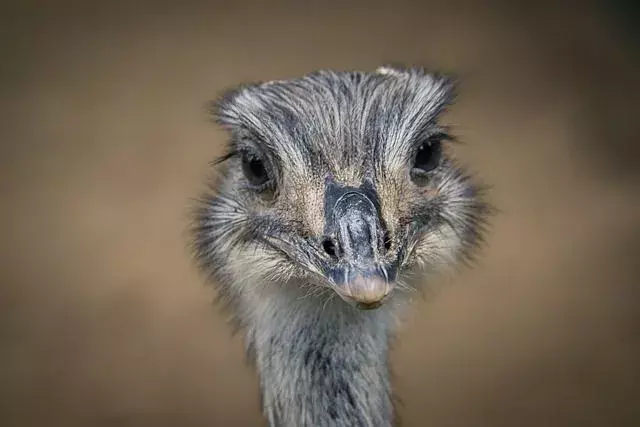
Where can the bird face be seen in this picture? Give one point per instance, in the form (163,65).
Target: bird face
(337,180)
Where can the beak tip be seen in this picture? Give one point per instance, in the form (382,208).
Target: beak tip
(366,292)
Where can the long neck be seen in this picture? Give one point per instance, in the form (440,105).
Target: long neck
(322,364)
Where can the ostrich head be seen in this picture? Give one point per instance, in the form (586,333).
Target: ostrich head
(334,184)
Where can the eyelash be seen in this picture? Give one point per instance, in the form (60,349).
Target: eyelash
(440,137)
(223,158)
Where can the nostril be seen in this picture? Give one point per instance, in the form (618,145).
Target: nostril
(387,240)
(330,247)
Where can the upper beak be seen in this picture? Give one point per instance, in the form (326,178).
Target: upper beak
(360,275)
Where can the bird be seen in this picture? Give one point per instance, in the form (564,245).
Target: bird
(336,198)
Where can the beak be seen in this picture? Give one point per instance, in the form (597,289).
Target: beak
(353,226)
(364,289)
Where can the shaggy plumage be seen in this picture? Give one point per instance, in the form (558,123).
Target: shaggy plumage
(263,232)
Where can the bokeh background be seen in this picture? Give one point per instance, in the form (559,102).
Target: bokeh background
(104,320)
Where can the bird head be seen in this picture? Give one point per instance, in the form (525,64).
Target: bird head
(340,181)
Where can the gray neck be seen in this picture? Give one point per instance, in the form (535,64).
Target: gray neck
(322,364)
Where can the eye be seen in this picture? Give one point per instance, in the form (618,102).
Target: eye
(428,156)
(254,170)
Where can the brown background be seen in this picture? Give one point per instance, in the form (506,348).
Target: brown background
(105,322)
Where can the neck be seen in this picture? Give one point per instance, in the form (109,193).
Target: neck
(322,364)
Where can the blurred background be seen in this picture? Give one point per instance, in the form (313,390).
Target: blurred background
(104,320)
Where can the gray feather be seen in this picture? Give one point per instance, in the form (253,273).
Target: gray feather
(321,362)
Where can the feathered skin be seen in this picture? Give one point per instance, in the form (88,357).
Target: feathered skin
(321,361)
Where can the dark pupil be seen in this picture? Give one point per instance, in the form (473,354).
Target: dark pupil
(428,156)
(254,170)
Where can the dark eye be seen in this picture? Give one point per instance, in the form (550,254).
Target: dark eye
(254,170)
(428,156)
